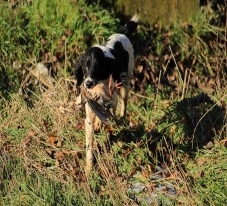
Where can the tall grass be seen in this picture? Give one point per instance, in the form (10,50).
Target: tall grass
(170,150)
(43,155)
(47,31)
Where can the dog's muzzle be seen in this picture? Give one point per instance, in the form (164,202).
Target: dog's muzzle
(89,83)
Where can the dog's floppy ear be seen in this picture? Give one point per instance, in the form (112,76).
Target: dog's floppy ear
(79,73)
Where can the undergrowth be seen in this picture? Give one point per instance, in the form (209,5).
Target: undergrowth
(171,150)
(43,154)
(48,32)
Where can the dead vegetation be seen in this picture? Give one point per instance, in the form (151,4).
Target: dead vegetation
(171,149)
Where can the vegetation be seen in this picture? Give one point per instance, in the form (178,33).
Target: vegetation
(171,150)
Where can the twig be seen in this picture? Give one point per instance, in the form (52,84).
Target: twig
(176,65)
(184,84)
(31,62)
(189,77)
(142,96)
(65,57)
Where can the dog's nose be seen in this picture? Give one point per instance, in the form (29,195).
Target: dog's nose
(89,83)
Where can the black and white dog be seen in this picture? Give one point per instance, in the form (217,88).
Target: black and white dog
(115,58)
(102,70)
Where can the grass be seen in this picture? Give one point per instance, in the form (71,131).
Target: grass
(171,140)
(43,153)
(41,32)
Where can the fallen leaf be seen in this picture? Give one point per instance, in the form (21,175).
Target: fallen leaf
(120,144)
(59,156)
(59,143)
(146,74)
(139,69)
(109,129)
(79,126)
(65,151)
(52,140)
(201,161)
(224,142)
(145,173)
(29,137)
(63,38)
(77,156)
(126,153)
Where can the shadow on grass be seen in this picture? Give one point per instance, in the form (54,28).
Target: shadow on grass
(189,125)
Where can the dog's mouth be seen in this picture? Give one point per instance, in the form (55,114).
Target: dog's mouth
(98,98)
(89,83)
(101,111)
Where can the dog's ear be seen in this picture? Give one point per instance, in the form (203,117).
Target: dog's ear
(79,73)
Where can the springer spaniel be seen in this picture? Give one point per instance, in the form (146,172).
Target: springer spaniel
(101,71)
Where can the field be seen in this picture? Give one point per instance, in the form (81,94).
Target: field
(172,147)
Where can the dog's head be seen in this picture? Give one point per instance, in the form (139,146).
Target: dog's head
(95,67)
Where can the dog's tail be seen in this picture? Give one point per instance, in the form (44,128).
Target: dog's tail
(131,26)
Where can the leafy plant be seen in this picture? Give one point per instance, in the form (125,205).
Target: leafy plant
(48,31)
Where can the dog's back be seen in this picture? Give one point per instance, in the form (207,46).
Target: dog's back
(123,37)
(116,42)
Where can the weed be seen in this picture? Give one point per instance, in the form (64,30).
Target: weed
(48,31)
(170,150)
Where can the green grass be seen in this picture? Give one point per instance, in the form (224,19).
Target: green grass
(42,141)
(47,31)
(209,171)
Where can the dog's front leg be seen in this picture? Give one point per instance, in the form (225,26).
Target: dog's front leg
(89,133)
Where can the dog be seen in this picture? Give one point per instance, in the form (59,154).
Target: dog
(101,73)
